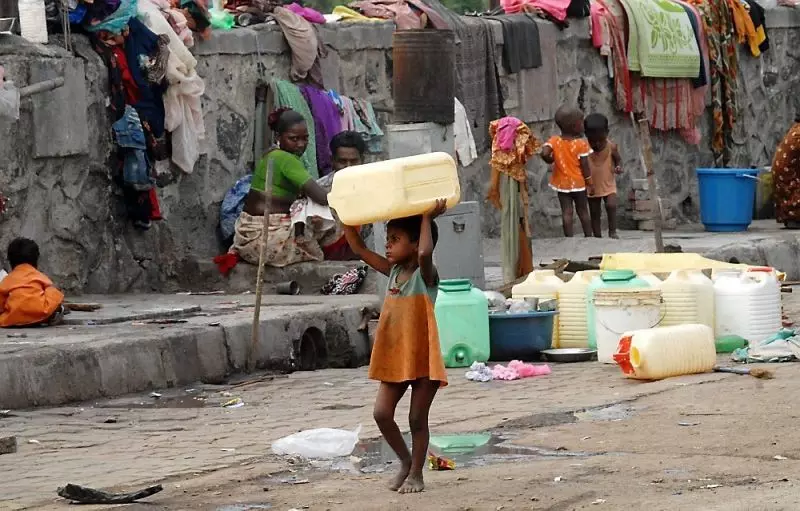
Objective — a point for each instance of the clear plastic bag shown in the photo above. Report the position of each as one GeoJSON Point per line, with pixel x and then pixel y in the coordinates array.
{"type": "Point", "coordinates": [323, 443]}
{"type": "Point", "coordinates": [9, 101]}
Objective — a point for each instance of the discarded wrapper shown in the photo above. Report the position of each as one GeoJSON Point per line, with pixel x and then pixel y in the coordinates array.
{"type": "Point", "coordinates": [440, 463]}
{"type": "Point", "coordinates": [233, 403]}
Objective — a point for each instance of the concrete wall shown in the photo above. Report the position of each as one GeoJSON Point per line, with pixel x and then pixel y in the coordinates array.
{"type": "Point", "coordinates": [54, 168]}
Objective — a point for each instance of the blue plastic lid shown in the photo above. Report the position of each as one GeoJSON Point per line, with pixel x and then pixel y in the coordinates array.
{"type": "Point", "coordinates": [617, 275]}
{"type": "Point", "coordinates": [455, 285]}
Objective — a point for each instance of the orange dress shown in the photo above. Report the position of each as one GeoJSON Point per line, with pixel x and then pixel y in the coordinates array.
{"type": "Point", "coordinates": [601, 164]}
{"type": "Point", "coordinates": [27, 297]}
{"type": "Point", "coordinates": [407, 340]}
{"type": "Point", "coordinates": [567, 152]}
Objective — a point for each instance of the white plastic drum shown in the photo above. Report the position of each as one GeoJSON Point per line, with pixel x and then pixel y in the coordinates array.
{"type": "Point", "coordinates": [618, 311]}
{"type": "Point", "coordinates": [747, 304]}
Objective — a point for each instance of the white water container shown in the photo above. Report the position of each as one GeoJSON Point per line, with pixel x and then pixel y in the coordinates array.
{"type": "Point", "coordinates": [747, 304]}
{"type": "Point", "coordinates": [573, 331]}
{"type": "Point", "coordinates": [33, 20]}
{"type": "Point", "coordinates": [688, 299]}
{"type": "Point", "coordinates": [620, 310]}
{"type": "Point", "coordinates": [541, 284]}
{"type": "Point", "coordinates": [664, 352]}
{"type": "Point", "coordinates": [650, 278]}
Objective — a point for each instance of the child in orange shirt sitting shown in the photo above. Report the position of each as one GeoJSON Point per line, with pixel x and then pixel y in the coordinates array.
{"type": "Point", "coordinates": [27, 296]}
{"type": "Point", "coordinates": [571, 174]}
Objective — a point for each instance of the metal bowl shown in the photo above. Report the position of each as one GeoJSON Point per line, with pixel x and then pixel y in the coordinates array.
{"type": "Point", "coordinates": [569, 355]}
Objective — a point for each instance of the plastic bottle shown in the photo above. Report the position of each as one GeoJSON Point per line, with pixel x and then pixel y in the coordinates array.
{"type": "Point", "coordinates": [747, 303]}
{"type": "Point", "coordinates": [572, 329]}
{"type": "Point", "coordinates": [663, 352]}
{"type": "Point", "coordinates": [462, 316]}
{"type": "Point", "coordinates": [384, 190]}
{"type": "Point", "coordinates": [541, 284]}
{"type": "Point", "coordinates": [688, 299]}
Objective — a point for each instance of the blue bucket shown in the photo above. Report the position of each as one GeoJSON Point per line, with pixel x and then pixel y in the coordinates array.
{"type": "Point", "coordinates": [727, 197]}
{"type": "Point", "coordinates": [520, 336]}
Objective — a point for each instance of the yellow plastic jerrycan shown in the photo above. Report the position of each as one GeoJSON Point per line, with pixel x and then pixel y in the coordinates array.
{"type": "Point", "coordinates": [572, 329]}
{"type": "Point", "coordinates": [541, 284]}
{"type": "Point", "coordinates": [384, 190]}
{"type": "Point", "coordinates": [664, 352]}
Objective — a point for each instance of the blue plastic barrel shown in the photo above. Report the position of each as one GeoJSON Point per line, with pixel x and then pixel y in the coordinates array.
{"type": "Point", "coordinates": [520, 336]}
{"type": "Point", "coordinates": [727, 197]}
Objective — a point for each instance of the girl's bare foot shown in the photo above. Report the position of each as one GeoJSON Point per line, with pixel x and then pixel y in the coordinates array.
{"type": "Point", "coordinates": [413, 484]}
{"type": "Point", "coordinates": [400, 478]}
{"type": "Point", "coordinates": [613, 235]}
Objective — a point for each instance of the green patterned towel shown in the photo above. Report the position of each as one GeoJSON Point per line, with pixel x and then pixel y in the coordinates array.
{"type": "Point", "coordinates": [661, 42]}
{"type": "Point", "coordinates": [289, 96]}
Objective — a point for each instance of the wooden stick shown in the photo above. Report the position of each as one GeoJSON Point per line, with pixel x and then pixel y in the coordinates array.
{"type": "Point", "coordinates": [259, 277]}
{"type": "Point", "coordinates": [83, 307]}
{"type": "Point", "coordinates": [84, 495]}
{"type": "Point", "coordinates": [646, 160]}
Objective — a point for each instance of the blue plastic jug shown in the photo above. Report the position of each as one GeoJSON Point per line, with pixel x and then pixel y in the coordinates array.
{"type": "Point", "coordinates": [462, 317]}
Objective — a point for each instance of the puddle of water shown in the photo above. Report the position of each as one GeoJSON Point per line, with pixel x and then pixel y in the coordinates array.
{"type": "Point", "coordinates": [244, 507]}
{"type": "Point", "coordinates": [607, 413]}
{"type": "Point", "coordinates": [466, 450]}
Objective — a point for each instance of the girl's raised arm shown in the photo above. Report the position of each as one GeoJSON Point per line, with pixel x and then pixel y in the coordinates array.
{"type": "Point", "coordinates": [376, 261]}
{"type": "Point", "coordinates": [425, 250]}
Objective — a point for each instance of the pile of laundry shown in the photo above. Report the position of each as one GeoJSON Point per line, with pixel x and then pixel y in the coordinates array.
{"type": "Point", "coordinates": [668, 74]}
{"type": "Point", "coordinates": [515, 370]}
{"type": "Point", "coordinates": [406, 14]}
{"type": "Point", "coordinates": [781, 347]}
{"type": "Point", "coordinates": [155, 96]}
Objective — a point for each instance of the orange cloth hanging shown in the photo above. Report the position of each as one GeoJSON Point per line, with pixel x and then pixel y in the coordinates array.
{"type": "Point", "coordinates": [512, 163]}
{"type": "Point", "coordinates": [745, 29]}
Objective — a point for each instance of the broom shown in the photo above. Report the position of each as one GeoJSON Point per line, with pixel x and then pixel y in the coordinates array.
{"type": "Point", "coordinates": [756, 372]}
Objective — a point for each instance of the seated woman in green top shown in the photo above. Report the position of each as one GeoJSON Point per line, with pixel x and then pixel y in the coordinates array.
{"type": "Point", "coordinates": [299, 230]}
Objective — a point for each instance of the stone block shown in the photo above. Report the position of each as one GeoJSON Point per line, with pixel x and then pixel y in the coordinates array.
{"type": "Point", "coordinates": [640, 184]}
{"type": "Point", "coordinates": [640, 216]}
{"type": "Point", "coordinates": [644, 205]}
{"type": "Point", "coordinates": [8, 445]}
{"type": "Point", "coordinates": [641, 195]}
{"type": "Point", "coordinates": [650, 225]}
{"type": "Point", "coordinates": [60, 119]}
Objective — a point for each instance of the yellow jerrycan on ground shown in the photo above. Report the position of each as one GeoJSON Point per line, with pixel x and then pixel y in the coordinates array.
{"type": "Point", "coordinates": [664, 352]}
{"type": "Point", "coordinates": [384, 190]}
{"type": "Point", "coordinates": [572, 312]}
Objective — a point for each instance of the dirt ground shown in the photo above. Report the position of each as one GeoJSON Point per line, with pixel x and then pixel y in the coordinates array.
{"type": "Point", "coordinates": [593, 439]}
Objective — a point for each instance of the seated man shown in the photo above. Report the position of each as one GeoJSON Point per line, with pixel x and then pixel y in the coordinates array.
{"type": "Point", "coordinates": [27, 296]}
{"type": "Point", "coordinates": [347, 149]}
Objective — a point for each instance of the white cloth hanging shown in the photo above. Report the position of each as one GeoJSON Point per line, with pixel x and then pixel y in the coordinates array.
{"type": "Point", "coordinates": [182, 101]}
{"type": "Point", "coordinates": [465, 143]}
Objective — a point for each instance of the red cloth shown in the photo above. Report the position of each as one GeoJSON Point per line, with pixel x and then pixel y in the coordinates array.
{"type": "Point", "coordinates": [128, 83]}
{"type": "Point", "coordinates": [226, 262]}
{"type": "Point", "coordinates": [155, 207]}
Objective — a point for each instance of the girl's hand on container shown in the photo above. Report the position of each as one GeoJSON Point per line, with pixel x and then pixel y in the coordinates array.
{"type": "Point", "coordinates": [439, 207]}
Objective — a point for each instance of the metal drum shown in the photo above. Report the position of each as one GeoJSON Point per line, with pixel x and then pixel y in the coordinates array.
{"type": "Point", "coordinates": [423, 78]}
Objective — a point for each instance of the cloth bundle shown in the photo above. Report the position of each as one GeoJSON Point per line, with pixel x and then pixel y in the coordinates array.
{"type": "Point", "coordinates": [515, 370]}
